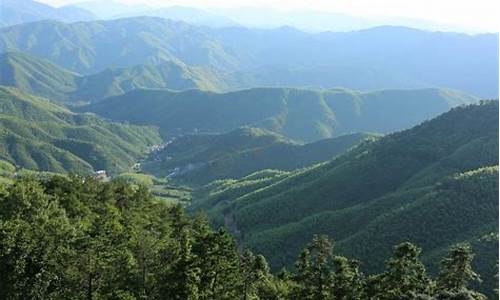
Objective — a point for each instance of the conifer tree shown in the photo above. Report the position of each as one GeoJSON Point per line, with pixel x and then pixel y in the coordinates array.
{"type": "Point", "coordinates": [456, 273]}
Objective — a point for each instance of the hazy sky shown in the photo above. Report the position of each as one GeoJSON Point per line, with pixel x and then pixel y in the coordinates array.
{"type": "Point", "coordinates": [479, 14]}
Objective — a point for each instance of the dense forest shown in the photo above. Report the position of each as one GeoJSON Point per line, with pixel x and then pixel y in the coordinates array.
{"type": "Point", "coordinates": [300, 114]}
{"type": "Point", "coordinates": [180, 153]}
{"type": "Point", "coordinates": [200, 159]}
{"type": "Point", "coordinates": [38, 135]}
{"type": "Point", "coordinates": [434, 184]}
{"type": "Point", "coordinates": [76, 238]}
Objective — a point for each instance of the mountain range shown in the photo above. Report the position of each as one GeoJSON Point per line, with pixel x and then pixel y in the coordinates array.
{"type": "Point", "coordinates": [301, 115]}
{"type": "Point", "coordinates": [377, 58]}
{"type": "Point", "coordinates": [14, 12]}
{"type": "Point", "coordinates": [331, 125]}
{"type": "Point", "coordinates": [43, 78]}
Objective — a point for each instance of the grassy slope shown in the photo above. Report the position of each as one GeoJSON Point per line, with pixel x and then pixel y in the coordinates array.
{"type": "Point", "coordinates": [303, 115]}
{"type": "Point", "coordinates": [241, 152]}
{"type": "Point", "coordinates": [39, 135]}
{"type": "Point", "coordinates": [380, 193]}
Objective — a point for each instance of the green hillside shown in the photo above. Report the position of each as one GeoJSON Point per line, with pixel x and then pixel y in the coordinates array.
{"type": "Point", "coordinates": [199, 159]}
{"type": "Point", "coordinates": [385, 57]}
{"type": "Point", "coordinates": [116, 241]}
{"type": "Point", "coordinates": [39, 135]}
{"type": "Point", "coordinates": [43, 78]}
{"type": "Point", "coordinates": [91, 47]}
{"type": "Point", "coordinates": [36, 76]}
{"type": "Point", "coordinates": [435, 184]}
{"type": "Point", "coordinates": [302, 115]}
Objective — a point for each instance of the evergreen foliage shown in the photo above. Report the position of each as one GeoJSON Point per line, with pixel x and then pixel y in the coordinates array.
{"type": "Point", "coordinates": [298, 114]}
{"type": "Point", "coordinates": [77, 238]}
{"type": "Point", "coordinates": [435, 184]}
{"type": "Point", "coordinates": [200, 159]}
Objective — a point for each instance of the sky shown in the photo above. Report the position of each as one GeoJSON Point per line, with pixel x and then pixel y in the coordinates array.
{"type": "Point", "coordinates": [474, 14]}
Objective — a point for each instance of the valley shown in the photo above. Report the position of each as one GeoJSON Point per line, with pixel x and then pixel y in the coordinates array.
{"type": "Point", "coordinates": [173, 153]}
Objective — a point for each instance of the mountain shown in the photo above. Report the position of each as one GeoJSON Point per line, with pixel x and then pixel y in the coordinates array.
{"type": "Point", "coordinates": [43, 78]}
{"type": "Point", "coordinates": [199, 159]}
{"type": "Point", "coordinates": [36, 76]}
{"type": "Point", "coordinates": [108, 9]}
{"type": "Point", "coordinates": [302, 115]}
{"type": "Point", "coordinates": [14, 12]}
{"type": "Point", "coordinates": [435, 184]}
{"type": "Point", "coordinates": [189, 15]}
{"type": "Point", "coordinates": [320, 21]}
{"type": "Point", "coordinates": [39, 135]}
{"type": "Point", "coordinates": [91, 47]}
{"type": "Point", "coordinates": [379, 58]}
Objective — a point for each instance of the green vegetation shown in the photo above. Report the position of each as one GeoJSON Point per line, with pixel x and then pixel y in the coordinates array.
{"type": "Point", "coordinates": [302, 115]}
{"type": "Point", "coordinates": [43, 78]}
{"type": "Point", "coordinates": [38, 135]}
{"type": "Point", "coordinates": [435, 184]}
{"type": "Point", "coordinates": [160, 188]}
{"type": "Point", "coordinates": [199, 159]}
{"type": "Point", "coordinates": [379, 58]}
{"type": "Point", "coordinates": [77, 238]}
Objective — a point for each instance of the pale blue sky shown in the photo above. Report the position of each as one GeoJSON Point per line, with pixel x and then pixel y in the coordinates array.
{"type": "Point", "coordinates": [478, 14]}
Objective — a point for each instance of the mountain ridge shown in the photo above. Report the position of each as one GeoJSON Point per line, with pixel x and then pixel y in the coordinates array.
{"type": "Point", "coordinates": [299, 114]}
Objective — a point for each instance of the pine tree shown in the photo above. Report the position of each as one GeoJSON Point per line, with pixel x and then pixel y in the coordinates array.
{"type": "Point", "coordinates": [314, 270]}
{"type": "Point", "coordinates": [348, 283]}
{"type": "Point", "coordinates": [405, 276]}
{"type": "Point", "coordinates": [456, 273]}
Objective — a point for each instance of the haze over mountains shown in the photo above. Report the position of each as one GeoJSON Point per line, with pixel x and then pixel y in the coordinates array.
{"type": "Point", "coordinates": [378, 58]}
{"type": "Point", "coordinates": [372, 135]}
{"type": "Point", "coordinates": [14, 12]}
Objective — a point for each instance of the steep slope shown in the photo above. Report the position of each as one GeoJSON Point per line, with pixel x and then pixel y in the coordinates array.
{"type": "Point", "coordinates": [435, 184]}
{"type": "Point", "coordinates": [43, 78]}
{"type": "Point", "coordinates": [91, 47]}
{"type": "Point", "coordinates": [36, 76]}
{"type": "Point", "coordinates": [378, 58]}
{"type": "Point", "coordinates": [302, 115]}
{"type": "Point", "coordinates": [38, 135]}
{"type": "Point", "coordinates": [199, 159]}
{"type": "Point", "coordinates": [14, 12]}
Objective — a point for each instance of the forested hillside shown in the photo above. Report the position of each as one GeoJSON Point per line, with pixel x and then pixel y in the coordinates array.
{"type": "Point", "coordinates": [43, 78]}
{"type": "Point", "coordinates": [156, 152]}
{"type": "Point", "coordinates": [378, 58]}
{"type": "Point", "coordinates": [39, 135]}
{"type": "Point", "coordinates": [77, 238]}
{"type": "Point", "coordinates": [435, 184]}
{"type": "Point", "coordinates": [302, 115]}
{"type": "Point", "coordinates": [198, 159]}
